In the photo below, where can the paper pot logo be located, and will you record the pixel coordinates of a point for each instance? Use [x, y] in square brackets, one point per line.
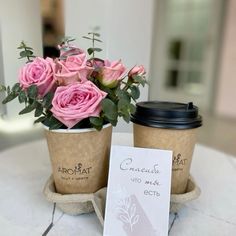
[178, 162]
[77, 170]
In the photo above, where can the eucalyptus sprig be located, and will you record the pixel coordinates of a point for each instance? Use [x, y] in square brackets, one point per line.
[94, 37]
[26, 52]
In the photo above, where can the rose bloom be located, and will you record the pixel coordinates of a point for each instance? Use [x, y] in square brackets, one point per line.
[39, 72]
[77, 101]
[137, 70]
[111, 73]
[73, 69]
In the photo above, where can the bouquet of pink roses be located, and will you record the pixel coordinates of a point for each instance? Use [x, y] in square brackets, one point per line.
[74, 91]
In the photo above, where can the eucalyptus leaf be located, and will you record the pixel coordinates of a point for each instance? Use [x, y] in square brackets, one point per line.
[39, 110]
[123, 95]
[8, 90]
[85, 37]
[16, 88]
[22, 97]
[96, 34]
[113, 122]
[98, 40]
[92, 50]
[26, 53]
[96, 121]
[32, 91]
[123, 106]
[9, 97]
[126, 117]
[132, 108]
[135, 92]
[54, 123]
[47, 100]
[109, 108]
[97, 49]
[139, 79]
[40, 119]
[28, 108]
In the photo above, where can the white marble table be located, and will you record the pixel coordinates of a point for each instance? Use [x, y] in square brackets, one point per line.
[24, 210]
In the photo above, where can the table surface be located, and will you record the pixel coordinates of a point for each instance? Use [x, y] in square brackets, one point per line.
[25, 211]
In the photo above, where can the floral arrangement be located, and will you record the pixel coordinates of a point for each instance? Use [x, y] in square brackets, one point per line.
[74, 91]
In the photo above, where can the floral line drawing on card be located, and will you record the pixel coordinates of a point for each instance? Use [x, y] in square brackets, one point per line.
[127, 213]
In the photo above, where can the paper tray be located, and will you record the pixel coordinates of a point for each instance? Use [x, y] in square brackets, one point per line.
[177, 201]
[75, 204]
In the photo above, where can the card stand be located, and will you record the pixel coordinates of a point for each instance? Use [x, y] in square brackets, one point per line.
[177, 201]
[75, 204]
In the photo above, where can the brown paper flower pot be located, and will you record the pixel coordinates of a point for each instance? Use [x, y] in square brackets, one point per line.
[79, 158]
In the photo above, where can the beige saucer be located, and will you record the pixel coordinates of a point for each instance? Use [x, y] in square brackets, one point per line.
[177, 201]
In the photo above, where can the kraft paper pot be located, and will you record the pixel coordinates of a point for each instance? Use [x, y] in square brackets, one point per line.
[170, 126]
[79, 158]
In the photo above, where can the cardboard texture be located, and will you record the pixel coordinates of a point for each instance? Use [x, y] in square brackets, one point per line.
[79, 160]
[76, 204]
[181, 142]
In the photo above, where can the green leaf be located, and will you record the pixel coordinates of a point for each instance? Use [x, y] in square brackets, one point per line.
[123, 105]
[70, 39]
[40, 119]
[139, 79]
[85, 37]
[26, 53]
[28, 108]
[8, 90]
[123, 95]
[16, 88]
[54, 123]
[109, 108]
[98, 40]
[92, 50]
[32, 91]
[113, 122]
[97, 49]
[135, 92]
[126, 117]
[22, 97]
[96, 34]
[2, 88]
[47, 100]
[39, 110]
[125, 108]
[96, 121]
[132, 108]
[9, 97]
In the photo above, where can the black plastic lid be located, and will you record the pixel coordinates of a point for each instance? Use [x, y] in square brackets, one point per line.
[169, 115]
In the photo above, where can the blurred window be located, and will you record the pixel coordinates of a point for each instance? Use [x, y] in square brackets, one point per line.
[186, 31]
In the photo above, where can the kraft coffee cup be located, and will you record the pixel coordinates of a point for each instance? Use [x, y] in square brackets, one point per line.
[171, 126]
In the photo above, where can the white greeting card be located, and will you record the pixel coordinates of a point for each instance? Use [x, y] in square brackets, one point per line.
[138, 193]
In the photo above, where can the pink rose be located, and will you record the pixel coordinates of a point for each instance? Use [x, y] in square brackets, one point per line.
[111, 73]
[39, 72]
[77, 101]
[137, 70]
[73, 69]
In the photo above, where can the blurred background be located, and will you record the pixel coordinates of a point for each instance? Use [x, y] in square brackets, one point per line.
[187, 46]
